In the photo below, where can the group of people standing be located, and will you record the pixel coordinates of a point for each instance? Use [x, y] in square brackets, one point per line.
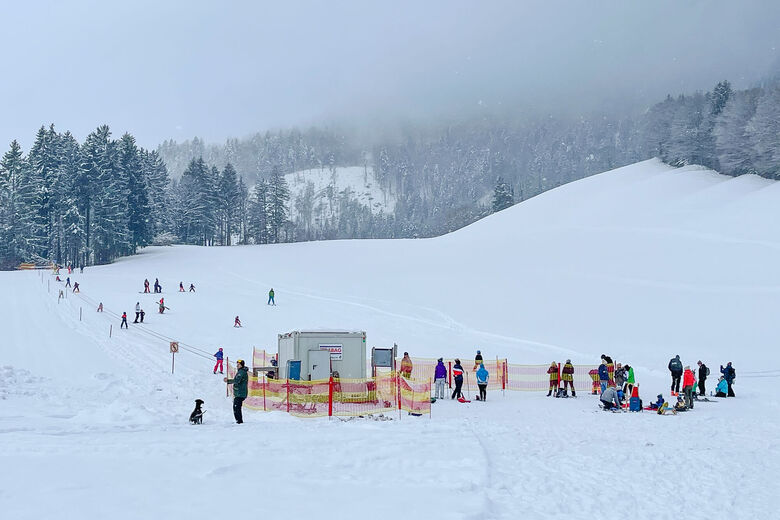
[689, 379]
[440, 378]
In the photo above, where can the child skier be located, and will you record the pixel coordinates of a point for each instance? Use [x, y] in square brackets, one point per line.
[124, 321]
[137, 311]
[237, 322]
[67, 282]
[76, 287]
[181, 286]
[192, 287]
[142, 315]
[219, 356]
[100, 307]
[271, 297]
[162, 305]
[146, 285]
[553, 371]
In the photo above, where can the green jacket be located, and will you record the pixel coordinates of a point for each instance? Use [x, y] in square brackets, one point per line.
[271, 293]
[631, 379]
[240, 382]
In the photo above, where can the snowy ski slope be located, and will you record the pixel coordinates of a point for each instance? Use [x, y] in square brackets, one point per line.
[643, 262]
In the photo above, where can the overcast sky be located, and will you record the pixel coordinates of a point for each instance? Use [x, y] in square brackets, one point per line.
[165, 69]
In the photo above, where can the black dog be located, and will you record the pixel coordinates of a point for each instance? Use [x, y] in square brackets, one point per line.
[196, 417]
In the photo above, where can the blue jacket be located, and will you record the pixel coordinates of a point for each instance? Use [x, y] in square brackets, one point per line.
[482, 375]
[659, 402]
[218, 355]
[603, 372]
[441, 371]
[729, 373]
[723, 386]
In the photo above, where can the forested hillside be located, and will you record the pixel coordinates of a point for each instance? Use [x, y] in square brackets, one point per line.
[95, 201]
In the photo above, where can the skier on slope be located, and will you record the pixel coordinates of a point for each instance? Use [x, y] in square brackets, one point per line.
[146, 285]
[76, 287]
[181, 286]
[553, 371]
[440, 378]
[137, 311]
[237, 322]
[271, 297]
[457, 373]
[676, 368]
[192, 287]
[219, 355]
[124, 321]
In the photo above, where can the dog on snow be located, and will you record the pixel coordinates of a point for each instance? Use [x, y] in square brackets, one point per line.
[196, 417]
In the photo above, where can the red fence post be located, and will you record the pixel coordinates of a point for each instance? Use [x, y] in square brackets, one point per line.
[330, 397]
[265, 383]
[398, 386]
[287, 384]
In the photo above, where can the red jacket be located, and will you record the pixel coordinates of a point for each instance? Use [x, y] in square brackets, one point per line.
[688, 378]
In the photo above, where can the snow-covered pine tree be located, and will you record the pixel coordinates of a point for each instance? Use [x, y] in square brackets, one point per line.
[12, 231]
[503, 195]
[258, 213]
[278, 196]
[733, 145]
[228, 193]
[764, 132]
[139, 222]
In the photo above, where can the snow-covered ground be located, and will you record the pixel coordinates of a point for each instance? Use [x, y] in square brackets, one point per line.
[326, 184]
[641, 263]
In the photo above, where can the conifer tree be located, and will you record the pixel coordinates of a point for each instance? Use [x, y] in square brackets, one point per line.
[503, 195]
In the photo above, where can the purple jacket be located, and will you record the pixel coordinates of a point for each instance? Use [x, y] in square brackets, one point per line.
[441, 371]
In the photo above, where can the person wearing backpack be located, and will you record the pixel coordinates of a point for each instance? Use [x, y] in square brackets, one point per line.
[729, 374]
[676, 368]
[704, 371]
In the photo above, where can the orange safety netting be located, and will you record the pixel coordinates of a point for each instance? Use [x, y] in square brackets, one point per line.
[339, 397]
[424, 368]
[536, 378]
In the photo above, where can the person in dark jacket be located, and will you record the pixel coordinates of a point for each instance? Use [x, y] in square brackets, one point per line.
[656, 405]
[676, 368]
[457, 372]
[703, 373]
[477, 360]
[440, 378]
[603, 375]
[729, 374]
[239, 382]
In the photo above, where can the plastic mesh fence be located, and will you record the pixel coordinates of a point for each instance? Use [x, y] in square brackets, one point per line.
[339, 397]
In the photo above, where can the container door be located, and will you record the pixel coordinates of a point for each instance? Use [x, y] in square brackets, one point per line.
[319, 364]
[294, 370]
